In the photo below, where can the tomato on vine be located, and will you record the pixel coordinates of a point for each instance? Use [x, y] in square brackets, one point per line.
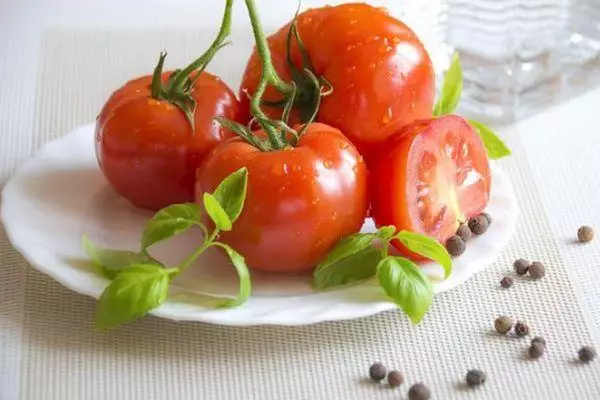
[154, 132]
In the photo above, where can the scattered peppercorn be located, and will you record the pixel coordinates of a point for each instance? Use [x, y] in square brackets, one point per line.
[537, 270]
[475, 377]
[536, 350]
[478, 225]
[395, 379]
[521, 329]
[521, 266]
[503, 325]
[538, 339]
[585, 234]
[455, 246]
[488, 217]
[586, 354]
[464, 232]
[419, 391]
[377, 372]
[506, 282]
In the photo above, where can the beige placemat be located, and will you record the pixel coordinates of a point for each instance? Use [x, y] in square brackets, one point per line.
[46, 329]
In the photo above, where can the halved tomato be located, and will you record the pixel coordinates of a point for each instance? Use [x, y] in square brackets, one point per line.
[429, 177]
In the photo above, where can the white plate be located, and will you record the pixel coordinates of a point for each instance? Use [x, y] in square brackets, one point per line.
[60, 194]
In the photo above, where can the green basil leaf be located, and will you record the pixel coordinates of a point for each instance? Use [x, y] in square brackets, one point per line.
[348, 246]
[386, 232]
[403, 281]
[171, 221]
[451, 90]
[134, 292]
[355, 267]
[239, 263]
[109, 262]
[231, 193]
[427, 247]
[217, 214]
[493, 144]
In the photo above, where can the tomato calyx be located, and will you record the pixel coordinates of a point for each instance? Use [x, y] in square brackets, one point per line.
[177, 90]
[310, 88]
[279, 135]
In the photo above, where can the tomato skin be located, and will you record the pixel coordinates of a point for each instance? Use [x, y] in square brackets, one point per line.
[429, 177]
[300, 201]
[146, 148]
[382, 75]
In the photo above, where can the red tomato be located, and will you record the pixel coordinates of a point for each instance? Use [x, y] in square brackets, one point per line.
[146, 147]
[382, 75]
[300, 202]
[429, 177]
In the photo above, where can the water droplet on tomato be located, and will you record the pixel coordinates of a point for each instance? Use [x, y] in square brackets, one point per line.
[297, 167]
[315, 201]
[372, 66]
[153, 102]
[327, 164]
[396, 40]
[389, 114]
[412, 105]
[353, 22]
[344, 145]
[319, 243]
[334, 215]
[282, 189]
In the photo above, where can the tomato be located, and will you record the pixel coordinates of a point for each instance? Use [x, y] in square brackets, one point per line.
[382, 75]
[146, 147]
[300, 201]
[429, 177]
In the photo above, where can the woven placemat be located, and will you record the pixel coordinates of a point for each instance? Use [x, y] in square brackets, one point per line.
[48, 340]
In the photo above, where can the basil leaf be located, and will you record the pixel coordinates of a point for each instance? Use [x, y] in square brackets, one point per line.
[239, 263]
[171, 221]
[386, 232]
[347, 247]
[403, 281]
[493, 144]
[216, 212]
[355, 267]
[134, 292]
[109, 262]
[231, 193]
[451, 90]
[427, 247]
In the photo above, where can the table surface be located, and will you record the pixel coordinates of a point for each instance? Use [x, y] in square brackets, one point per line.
[59, 61]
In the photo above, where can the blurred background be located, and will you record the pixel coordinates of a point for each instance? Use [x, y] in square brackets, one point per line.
[519, 56]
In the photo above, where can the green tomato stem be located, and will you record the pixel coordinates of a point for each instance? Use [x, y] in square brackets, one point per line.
[192, 257]
[205, 58]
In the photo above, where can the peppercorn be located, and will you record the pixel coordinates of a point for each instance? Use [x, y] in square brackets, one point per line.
[537, 270]
[586, 354]
[585, 234]
[488, 217]
[464, 232]
[419, 391]
[538, 339]
[536, 350]
[475, 377]
[395, 379]
[455, 246]
[503, 325]
[506, 282]
[478, 225]
[521, 266]
[521, 329]
[377, 372]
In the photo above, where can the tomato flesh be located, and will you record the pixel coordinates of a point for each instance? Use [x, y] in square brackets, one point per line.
[430, 177]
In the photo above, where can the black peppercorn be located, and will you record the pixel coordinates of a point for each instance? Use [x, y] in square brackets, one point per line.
[503, 325]
[475, 377]
[395, 379]
[521, 329]
[506, 282]
[586, 354]
[537, 270]
[521, 266]
[478, 225]
[585, 234]
[538, 339]
[488, 217]
[536, 350]
[464, 232]
[419, 391]
[455, 246]
[377, 372]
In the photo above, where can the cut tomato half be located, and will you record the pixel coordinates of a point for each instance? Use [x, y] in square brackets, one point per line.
[430, 177]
